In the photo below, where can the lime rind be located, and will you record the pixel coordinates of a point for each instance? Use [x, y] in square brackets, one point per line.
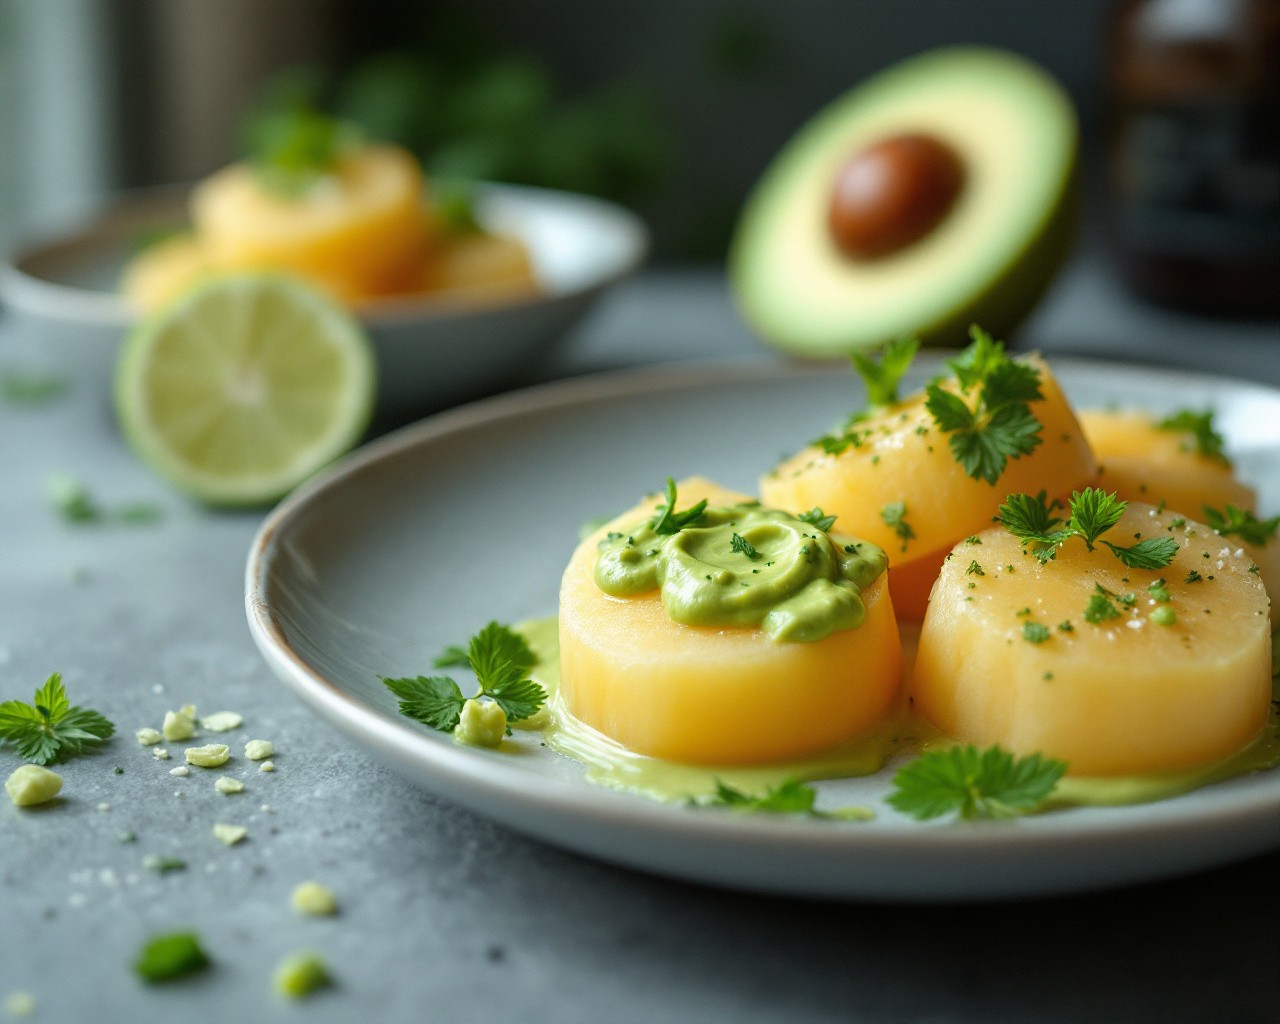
[245, 386]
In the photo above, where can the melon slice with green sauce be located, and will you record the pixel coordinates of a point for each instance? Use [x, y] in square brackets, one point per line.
[719, 695]
[937, 194]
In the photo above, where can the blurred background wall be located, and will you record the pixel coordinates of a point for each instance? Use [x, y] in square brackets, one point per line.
[680, 103]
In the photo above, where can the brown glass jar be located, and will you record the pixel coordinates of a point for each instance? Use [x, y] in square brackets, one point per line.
[1194, 152]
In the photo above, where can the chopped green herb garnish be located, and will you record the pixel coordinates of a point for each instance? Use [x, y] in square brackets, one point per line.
[1201, 437]
[23, 388]
[1093, 512]
[815, 517]
[882, 377]
[168, 957]
[1158, 591]
[973, 783]
[501, 660]
[788, 797]
[292, 150]
[742, 546]
[50, 729]
[1163, 615]
[72, 500]
[1066, 627]
[990, 420]
[668, 521]
[1034, 632]
[1239, 522]
[163, 865]
[974, 569]
[1100, 607]
[1193, 577]
[895, 517]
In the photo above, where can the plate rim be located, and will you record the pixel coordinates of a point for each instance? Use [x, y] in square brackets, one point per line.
[33, 295]
[487, 772]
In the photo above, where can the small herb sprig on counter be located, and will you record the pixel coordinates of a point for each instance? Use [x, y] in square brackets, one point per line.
[50, 728]
[973, 783]
[1093, 513]
[1239, 522]
[19, 387]
[501, 659]
[1200, 436]
[73, 502]
[668, 521]
[990, 420]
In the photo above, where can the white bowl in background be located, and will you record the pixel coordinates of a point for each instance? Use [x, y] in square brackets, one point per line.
[432, 350]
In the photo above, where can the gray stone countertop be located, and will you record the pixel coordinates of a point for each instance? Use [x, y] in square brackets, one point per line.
[444, 916]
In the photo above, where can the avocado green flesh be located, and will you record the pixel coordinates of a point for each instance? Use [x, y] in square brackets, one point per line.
[899, 735]
[743, 565]
[990, 259]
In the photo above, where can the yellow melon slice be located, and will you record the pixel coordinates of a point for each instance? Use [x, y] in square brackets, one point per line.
[1122, 696]
[1140, 462]
[903, 458]
[358, 232]
[713, 695]
[162, 271]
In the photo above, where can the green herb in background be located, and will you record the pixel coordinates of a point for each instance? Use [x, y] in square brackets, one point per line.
[73, 502]
[169, 957]
[50, 728]
[1201, 436]
[292, 149]
[22, 387]
[1239, 522]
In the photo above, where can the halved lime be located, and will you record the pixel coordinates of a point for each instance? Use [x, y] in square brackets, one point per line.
[245, 386]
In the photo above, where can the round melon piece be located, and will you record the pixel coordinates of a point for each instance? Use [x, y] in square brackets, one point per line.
[358, 232]
[904, 461]
[716, 695]
[1124, 694]
[987, 261]
[1141, 462]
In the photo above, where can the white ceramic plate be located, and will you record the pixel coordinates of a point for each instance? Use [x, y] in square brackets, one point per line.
[431, 349]
[417, 540]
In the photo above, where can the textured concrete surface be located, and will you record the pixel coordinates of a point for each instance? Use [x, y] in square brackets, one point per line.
[444, 916]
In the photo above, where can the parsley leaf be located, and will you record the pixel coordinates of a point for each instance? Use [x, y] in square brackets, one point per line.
[973, 783]
[1201, 437]
[881, 377]
[668, 521]
[814, 517]
[452, 656]
[49, 728]
[167, 957]
[1152, 553]
[1035, 632]
[742, 546]
[22, 388]
[1239, 522]
[990, 421]
[501, 659]
[1093, 512]
[435, 701]
[895, 517]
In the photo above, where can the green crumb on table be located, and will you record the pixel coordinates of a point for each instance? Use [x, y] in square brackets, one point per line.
[259, 750]
[301, 974]
[163, 865]
[222, 721]
[169, 957]
[20, 1004]
[228, 786]
[481, 724]
[160, 753]
[229, 834]
[31, 784]
[127, 837]
[314, 899]
[1163, 615]
[148, 737]
[181, 771]
[267, 766]
[211, 755]
[178, 725]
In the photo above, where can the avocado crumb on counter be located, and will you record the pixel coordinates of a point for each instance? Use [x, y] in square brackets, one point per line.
[314, 899]
[481, 724]
[160, 753]
[178, 725]
[20, 1004]
[267, 766]
[148, 737]
[227, 785]
[222, 721]
[211, 755]
[258, 750]
[30, 785]
[301, 974]
[229, 834]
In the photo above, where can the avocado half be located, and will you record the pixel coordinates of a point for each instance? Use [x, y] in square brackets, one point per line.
[988, 261]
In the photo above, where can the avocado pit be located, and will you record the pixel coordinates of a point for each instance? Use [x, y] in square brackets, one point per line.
[892, 193]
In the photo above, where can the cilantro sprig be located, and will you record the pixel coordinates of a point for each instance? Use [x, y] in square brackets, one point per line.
[1093, 512]
[1239, 522]
[990, 420]
[50, 728]
[973, 783]
[501, 659]
[1200, 436]
[816, 517]
[668, 521]
[882, 376]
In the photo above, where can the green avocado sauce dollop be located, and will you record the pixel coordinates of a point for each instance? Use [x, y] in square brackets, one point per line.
[744, 565]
